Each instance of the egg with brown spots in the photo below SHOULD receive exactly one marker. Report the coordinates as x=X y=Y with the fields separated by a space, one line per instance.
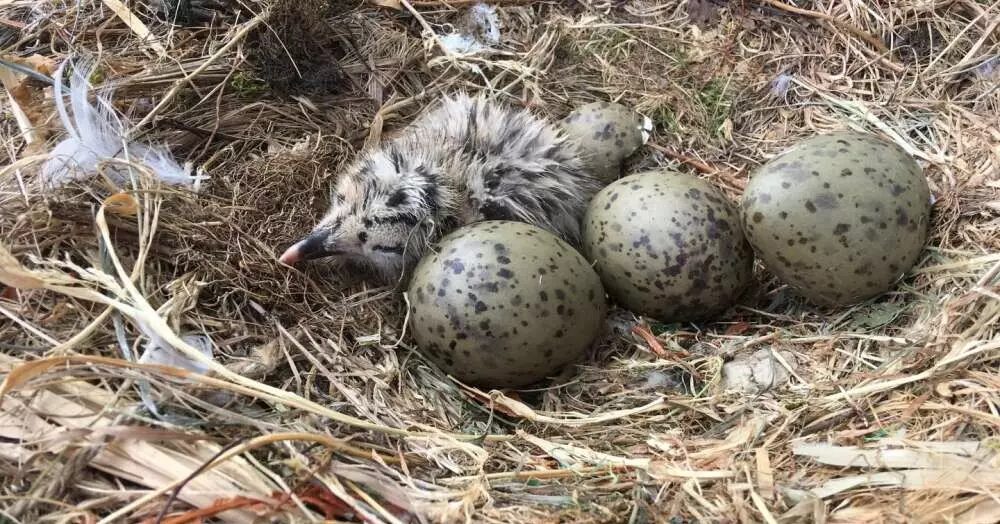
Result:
x=504 y=304
x=668 y=245
x=607 y=134
x=839 y=217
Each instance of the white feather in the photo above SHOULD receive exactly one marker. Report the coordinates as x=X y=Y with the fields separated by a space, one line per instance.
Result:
x=96 y=133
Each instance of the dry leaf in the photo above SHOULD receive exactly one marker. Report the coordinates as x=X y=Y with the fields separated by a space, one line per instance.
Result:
x=21 y=94
x=765 y=475
x=27 y=97
x=738 y=328
x=122 y=204
x=20 y=103
x=935 y=454
x=41 y=63
x=934 y=465
x=27 y=371
x=913 y=479
x=14 y=274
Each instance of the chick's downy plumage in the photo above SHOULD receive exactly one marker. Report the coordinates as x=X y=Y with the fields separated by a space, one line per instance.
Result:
x=465 y=160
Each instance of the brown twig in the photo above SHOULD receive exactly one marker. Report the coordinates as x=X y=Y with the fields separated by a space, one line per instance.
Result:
x=693 y=162
x=649 y=338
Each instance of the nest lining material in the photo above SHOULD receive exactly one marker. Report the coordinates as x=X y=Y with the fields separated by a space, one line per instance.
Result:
x=886 y=411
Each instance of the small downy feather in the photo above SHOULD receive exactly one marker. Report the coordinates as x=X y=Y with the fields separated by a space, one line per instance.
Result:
x=96 y=133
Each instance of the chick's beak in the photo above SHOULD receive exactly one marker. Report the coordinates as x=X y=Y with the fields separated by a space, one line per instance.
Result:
x=309 y=248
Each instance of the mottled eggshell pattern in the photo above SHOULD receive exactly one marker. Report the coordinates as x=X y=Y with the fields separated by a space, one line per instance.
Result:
x=668 y=245
x=607 y=134
x=839 y=217
x=504 y=304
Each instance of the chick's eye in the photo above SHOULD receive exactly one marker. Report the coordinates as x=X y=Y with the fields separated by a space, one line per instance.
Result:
x=363 y=237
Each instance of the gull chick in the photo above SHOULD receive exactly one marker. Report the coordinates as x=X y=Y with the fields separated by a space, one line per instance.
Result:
x=467 y=159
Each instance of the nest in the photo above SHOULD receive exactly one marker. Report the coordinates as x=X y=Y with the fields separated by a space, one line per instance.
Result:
x=315 y=404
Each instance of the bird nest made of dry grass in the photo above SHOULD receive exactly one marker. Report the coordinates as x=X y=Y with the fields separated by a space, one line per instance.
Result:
x=315 y=404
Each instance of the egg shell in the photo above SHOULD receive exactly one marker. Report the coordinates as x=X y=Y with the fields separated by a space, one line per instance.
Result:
x=505 y=304
x=839 y=217
x=668 y=245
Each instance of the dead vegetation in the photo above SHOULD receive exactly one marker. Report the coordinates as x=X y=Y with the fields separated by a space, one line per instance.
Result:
x=317 y=405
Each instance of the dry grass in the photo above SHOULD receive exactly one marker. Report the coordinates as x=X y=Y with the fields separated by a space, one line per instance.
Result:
x=891 y=412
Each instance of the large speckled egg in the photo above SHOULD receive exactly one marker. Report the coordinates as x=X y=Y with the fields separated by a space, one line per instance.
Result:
x=839 y=217
x=668 y=245
x=504 y=304
x=607 y=134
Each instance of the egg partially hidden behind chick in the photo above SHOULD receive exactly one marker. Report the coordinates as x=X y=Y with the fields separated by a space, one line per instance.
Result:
x=607 y=134
x=668 y=245
x=504 y=304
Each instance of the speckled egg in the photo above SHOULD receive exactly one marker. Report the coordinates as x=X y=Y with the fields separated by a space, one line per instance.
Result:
x=668 y=245
x=504 y=304
x=839 y=217
x=607 y=134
